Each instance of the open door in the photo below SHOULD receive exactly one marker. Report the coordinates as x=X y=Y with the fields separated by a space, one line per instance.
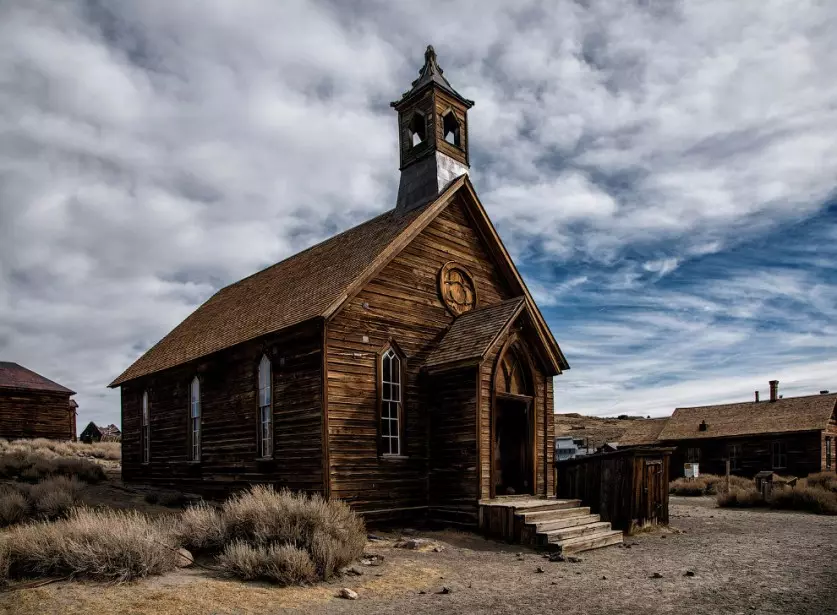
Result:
x=513 y=463
x=513 y=469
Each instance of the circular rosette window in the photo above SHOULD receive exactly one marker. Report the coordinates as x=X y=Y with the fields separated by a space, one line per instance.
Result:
x=456 y=286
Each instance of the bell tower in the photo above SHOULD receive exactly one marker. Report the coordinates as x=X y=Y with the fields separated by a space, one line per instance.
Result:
x=432 y=135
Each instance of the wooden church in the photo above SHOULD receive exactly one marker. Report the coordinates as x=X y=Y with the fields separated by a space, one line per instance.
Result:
x=401 y=365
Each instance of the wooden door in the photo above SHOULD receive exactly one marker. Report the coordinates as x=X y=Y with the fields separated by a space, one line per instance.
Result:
x=653 y=490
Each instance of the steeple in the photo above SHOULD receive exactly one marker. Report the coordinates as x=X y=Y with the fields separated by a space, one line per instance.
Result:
x=432 y=134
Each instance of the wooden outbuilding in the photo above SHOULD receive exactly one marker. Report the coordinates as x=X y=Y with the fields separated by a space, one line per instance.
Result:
x=94 y=433
x=32 y=406
x=790 y=436
x=401 y=365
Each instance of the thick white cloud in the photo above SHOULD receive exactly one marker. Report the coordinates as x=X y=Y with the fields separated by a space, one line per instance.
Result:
x=154 y=151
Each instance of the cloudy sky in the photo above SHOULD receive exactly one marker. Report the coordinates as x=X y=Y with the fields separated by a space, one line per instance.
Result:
x=664 y=173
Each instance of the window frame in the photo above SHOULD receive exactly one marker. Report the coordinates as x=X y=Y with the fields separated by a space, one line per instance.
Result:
x=781 y=454
x=457 y=132
x=385 y=451
x=693 y=454
x=264 y=415
x=145 y=428
x=195 y=421
x=734 y=451
x=829 y=452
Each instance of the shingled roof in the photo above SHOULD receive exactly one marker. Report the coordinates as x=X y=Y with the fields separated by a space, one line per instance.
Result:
x=14 y=376
x=642 y=431
x=472 y=334
x=312 y=284
x=789 y=414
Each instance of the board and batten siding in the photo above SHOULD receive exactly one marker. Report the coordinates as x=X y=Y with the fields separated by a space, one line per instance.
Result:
x=401 y=303
x=229 y=411
x=35 y=414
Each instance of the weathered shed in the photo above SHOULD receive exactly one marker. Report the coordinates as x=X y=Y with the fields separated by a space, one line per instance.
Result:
x=628 y=487
x=32 y=406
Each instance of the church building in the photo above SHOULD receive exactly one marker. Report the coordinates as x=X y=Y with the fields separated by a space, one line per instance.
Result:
x=402 y=365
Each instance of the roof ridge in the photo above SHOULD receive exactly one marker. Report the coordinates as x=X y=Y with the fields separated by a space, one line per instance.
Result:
x=765 y=402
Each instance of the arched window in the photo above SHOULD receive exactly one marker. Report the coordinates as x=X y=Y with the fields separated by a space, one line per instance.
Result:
x=450 y=129
x=265 y=408
x=145 y=431
x=417 y=129
x=512 y=376
x=195 y=420
x=391 y=403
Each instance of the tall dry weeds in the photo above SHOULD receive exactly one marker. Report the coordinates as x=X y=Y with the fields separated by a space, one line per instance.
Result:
x=109 y=545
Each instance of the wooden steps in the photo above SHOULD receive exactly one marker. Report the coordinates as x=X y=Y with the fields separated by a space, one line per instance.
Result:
x=557 y=525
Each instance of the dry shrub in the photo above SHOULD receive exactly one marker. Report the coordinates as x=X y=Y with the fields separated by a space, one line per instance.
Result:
x=708 y=484
x=34 y=466
x=328 y=530
x=282 y=564
x=740 y=498
x=109 y=545
x=4 y=562
x=14 y=507
x=823 y=480
x=804 y=497
x=201 y=528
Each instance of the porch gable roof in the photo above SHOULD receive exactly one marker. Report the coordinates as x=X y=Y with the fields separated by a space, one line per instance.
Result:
x=472 y=334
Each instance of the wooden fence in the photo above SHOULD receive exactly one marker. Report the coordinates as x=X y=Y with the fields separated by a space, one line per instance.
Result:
x=628 y=488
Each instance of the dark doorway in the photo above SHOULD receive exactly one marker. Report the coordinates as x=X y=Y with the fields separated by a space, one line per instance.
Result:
x=513 y=469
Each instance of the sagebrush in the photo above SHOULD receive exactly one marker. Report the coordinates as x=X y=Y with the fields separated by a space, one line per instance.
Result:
x=708 y=484
x=110 y=545
x=806 y=495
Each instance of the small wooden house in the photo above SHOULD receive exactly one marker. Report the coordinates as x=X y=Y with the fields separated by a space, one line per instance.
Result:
x=401 y=365
x=791 y=436
x=32 y=406
x=94 y=433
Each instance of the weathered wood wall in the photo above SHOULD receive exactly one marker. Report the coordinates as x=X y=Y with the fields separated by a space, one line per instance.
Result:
x=35 y=414
x=229 y=406
x=804 y=453
x=453 y=480
x=628 y=488
x=402 y=303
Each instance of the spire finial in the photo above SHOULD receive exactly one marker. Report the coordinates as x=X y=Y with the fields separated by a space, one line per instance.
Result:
x=430 y=55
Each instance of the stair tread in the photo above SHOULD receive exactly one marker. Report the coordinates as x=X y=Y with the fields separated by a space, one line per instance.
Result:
x=565 y=522
x=586 y=537
x=556 y=513
x=592 y=528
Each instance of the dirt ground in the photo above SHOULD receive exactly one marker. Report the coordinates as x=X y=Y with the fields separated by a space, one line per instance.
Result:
x=744 y=561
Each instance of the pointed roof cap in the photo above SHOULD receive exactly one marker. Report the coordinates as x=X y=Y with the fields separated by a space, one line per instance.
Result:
x=431 y=72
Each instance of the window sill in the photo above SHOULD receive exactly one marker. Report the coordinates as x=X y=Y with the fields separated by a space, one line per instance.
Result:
x=394 y=457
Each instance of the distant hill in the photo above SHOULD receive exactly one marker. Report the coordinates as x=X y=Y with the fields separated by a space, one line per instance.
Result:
x=597 y=430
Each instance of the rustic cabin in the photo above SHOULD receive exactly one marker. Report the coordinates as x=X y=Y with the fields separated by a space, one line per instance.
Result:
x=32 y=406
x=790 y=436
x=401 y=365
x=94 y=433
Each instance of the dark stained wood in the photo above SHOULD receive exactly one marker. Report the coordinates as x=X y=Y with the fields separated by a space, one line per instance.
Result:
x=36 y=414
x=628 y=488
x=229 y=412
x=805 y=454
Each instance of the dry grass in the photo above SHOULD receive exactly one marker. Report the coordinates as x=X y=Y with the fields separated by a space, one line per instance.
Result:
x=329 y=531
x=201 y=529
x=110 y=545
x=281 y=564
x=806 y=495
x=708 y=484
x=823 y=480
x=34 y=466
x=99 y=450
x=252 y=525
x=14 y=506
x=49 y=499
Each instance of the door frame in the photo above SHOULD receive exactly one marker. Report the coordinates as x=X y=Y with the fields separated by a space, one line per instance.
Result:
x=514 y=344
